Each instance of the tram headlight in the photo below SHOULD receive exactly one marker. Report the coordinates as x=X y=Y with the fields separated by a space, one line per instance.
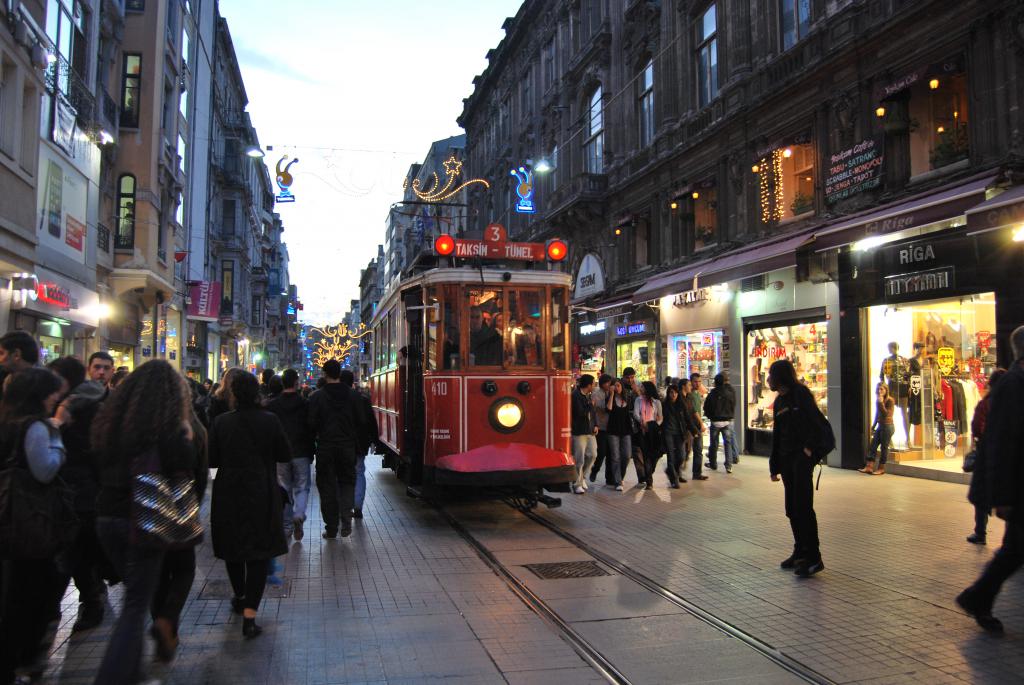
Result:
x=507 y=415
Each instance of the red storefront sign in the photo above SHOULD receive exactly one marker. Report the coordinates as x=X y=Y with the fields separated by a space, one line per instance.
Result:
x=204 y=301
x=54 y=294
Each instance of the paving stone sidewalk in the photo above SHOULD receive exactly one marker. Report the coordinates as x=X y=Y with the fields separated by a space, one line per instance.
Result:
x=882 y=612
x=403 y=600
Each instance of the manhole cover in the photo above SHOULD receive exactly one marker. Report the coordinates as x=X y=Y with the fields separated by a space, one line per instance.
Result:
x=568 y=569
x=221 y=589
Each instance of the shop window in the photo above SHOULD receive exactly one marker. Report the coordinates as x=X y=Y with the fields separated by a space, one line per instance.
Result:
x=645 y=104
x=707 y=56
x=486 y=321
x=131 y=90
x=796 y=21
x=593 y=144
x=559 y=323
x=641 y=243
x=125 y=239
x=805 y=345
x=524 y=334
x=691 y=353
x=705 y=217
x=638 y=354
x=934 y=358
x=786 y=182
x=938 y=122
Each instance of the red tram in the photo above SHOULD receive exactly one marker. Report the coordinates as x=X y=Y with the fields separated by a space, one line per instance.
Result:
x=472 y=382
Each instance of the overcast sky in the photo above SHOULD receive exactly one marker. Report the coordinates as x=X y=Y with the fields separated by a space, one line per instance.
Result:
x=378 y=81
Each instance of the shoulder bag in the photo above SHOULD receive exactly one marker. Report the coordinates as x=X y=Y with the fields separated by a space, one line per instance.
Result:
x=165 y=509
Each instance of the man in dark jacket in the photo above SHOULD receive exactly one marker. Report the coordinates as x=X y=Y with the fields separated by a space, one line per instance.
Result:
x=584 y=431
x=720 y=408
x=294 y=476
x=1004 y=456
x=18 y=351
x=334 y=418
x=367 y=438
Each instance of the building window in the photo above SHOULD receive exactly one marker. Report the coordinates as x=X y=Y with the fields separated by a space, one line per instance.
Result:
x=526 y=100
x=593 y=146
x=227 y=279
x=705 y=216
x=594 y=16
x=554 y=167
x=131 y=78
x=938 y=122
x=161 y=236
x=65 y=26
x=707 y=56
x=641 y=243
x=228 y=217
x=169 y=110
x=182 y=150
x=796 y=21
x=29 y=129
x=548 y=64
x=786 y=182
x=257 y=313
x=125 y=239
x=186 y=56
x=645 y=107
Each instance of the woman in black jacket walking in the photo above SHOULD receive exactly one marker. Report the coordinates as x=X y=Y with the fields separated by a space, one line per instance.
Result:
x=247 y=527
x=675 y=429
x=149 y=412
x=796 y=440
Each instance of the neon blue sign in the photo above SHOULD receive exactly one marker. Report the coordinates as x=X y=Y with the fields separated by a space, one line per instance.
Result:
x=524 y=189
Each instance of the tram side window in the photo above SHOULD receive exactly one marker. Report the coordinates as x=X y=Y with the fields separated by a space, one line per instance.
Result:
x=559 y=316
x=393 y=336
x=450 y=322
x=485 y=322
x=523 y=334
x=433 y=322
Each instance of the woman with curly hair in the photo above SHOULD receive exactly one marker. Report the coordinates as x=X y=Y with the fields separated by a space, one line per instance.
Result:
x=150 y=410
x=220 y=403
x=33 y=586
x=247 y=506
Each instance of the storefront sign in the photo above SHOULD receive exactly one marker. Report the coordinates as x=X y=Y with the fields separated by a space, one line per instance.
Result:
x=284 y=180
x=589 y=277
x=204 y=301
x=854 y=170
x=633 y=328
x=768 y=351
x=919 y=282
x=691 y=297
x=592 y=328
x=996 y=217
x=51 y=293
x=888 y=89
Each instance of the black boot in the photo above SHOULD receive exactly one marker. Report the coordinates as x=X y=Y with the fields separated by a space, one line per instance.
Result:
x=249 y=627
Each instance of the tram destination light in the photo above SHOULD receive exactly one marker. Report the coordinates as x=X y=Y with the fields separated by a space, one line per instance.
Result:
x=444 y=245
x=557 y=250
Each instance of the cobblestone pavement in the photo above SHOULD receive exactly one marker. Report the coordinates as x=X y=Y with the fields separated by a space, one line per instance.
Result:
x=881 y=612
x=406 y=600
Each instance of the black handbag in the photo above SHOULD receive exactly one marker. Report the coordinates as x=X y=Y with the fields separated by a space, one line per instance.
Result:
x=970 y=460
x=165 y=508
x=37 y=520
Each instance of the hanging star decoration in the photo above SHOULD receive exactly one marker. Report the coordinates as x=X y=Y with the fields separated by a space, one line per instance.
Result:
x=336 y=342
x=436 y=193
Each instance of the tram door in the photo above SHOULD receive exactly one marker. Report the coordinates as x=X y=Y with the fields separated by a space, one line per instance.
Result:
x=413 y=405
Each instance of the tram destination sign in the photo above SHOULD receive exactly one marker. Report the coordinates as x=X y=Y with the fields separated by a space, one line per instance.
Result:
x=528 y=252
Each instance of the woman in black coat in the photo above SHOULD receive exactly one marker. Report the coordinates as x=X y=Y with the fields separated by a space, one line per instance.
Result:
x=246 y=445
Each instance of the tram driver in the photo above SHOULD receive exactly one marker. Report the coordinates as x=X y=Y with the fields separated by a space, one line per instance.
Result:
x=484 y=341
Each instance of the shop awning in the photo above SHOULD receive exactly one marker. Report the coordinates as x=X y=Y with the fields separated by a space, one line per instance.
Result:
x=748 y=261
x=921 y=210
x=1002 y=210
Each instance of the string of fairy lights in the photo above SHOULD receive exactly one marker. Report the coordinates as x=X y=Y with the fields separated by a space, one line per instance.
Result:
x=769 y=173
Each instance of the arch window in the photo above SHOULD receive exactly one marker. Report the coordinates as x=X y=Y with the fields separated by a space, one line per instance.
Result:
x=125 y=238
x=593 y=145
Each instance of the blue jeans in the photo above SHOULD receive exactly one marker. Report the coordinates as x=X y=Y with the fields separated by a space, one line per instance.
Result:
x=294 y=478
x=730 y=446
x=880 y=442
x=360 y=481
x=140 y=568
x=620 y=451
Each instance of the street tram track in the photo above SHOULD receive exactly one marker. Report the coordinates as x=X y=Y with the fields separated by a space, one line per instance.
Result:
x=776 y=656
x=580 y=645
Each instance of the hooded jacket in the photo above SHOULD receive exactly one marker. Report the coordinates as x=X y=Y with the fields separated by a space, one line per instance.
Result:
x=293 y=412
x=334 y=416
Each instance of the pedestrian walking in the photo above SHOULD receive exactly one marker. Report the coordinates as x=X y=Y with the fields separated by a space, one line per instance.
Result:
x=798 y=443
x=648 y=413
x=1004 y=455
x=334 y=419
x=178 y=570
x=599 y=398
x=247 y=508
x=979 y=491
x=696 y=398
x=883 y=429
x=631 y=391
x=147 y=415
x=291 y=411
x=675 y=430
x=74 y=416
x=221 y=402
x=32 y=442
x=620 y=433
x=265 y=389
x=584 y=431
x=101 y=367
x=367 y=436
x=720 y=408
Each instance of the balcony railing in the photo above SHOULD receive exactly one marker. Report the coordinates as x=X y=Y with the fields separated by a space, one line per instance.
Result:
x=60 y=77
x=111 y=112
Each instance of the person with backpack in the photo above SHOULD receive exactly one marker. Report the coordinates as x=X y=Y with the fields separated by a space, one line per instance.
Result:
x=720 y=408
x=801 y=437
x=28 y=441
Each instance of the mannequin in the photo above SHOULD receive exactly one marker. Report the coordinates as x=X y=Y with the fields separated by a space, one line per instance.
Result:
x=916 y=390
x=896 y=373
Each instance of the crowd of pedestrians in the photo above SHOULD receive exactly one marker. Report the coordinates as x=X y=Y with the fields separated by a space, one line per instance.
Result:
x=121 y=459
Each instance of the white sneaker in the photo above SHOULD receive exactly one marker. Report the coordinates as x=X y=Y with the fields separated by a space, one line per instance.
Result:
x=618 y=487
x=578 y=490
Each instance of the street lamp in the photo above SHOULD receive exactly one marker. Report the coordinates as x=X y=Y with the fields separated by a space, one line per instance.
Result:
x=254 y=151
x=543 y=166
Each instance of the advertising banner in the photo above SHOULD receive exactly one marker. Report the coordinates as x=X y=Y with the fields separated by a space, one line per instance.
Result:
x=204 y=301
x=61 y=204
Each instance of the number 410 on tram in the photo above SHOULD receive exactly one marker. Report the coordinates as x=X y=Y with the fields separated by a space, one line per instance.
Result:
x=472 y=384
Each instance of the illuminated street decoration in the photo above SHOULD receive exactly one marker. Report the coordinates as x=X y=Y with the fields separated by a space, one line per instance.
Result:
x=452 y=169
x=285 y=180
x=524 y=189
x=770 y=177
x=336 y=342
